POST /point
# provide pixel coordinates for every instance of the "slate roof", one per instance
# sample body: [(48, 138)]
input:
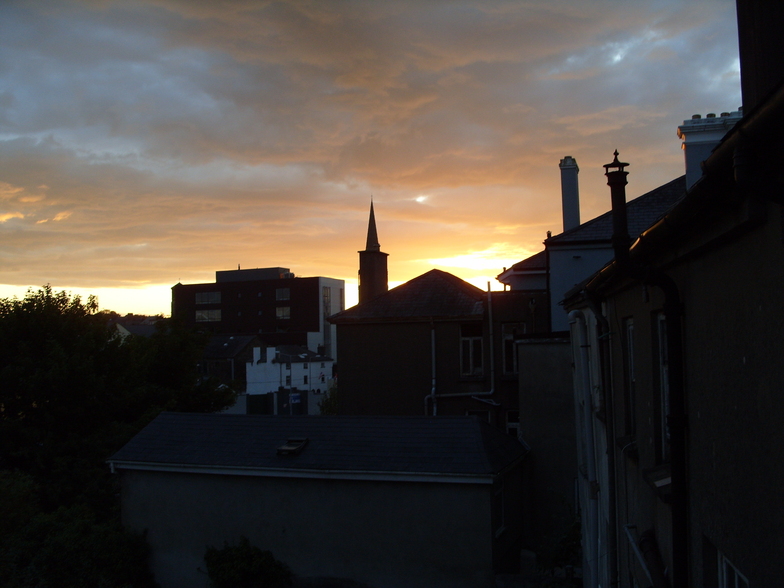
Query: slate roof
[(298, 354), (641, 213), (537, 261), (227, 346), (459, 445), (433, 294)]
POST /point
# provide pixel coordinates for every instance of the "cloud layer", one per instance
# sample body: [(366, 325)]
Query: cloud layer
[(150, 142)]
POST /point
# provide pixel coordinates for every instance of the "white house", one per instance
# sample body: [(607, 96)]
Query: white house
[(294, 370)]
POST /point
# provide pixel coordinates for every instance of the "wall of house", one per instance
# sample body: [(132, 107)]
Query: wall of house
[(570, 265), (547, 425), (381, 533), (730, 282), (385, 368), (733, 323)]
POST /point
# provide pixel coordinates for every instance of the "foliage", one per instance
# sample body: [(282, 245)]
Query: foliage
[(71, 548), (329, 404), (72, 392), (245, 566), (562, 551)]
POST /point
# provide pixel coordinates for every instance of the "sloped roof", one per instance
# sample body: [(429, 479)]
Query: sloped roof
[(641, 213), (433, 294), (298, 354), (358, 445), (537, 261), (227, 346)]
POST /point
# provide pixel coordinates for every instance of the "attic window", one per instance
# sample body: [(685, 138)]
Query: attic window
[(293, 446)]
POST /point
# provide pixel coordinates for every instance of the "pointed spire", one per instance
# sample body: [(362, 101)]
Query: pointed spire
[(372, 236)]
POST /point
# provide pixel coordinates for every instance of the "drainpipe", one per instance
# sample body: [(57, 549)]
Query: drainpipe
[(432, 394), (577, 318)]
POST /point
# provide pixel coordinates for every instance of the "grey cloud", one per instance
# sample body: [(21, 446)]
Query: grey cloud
[(162, 125)]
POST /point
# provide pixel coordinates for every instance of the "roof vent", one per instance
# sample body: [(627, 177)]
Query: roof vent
[(293, 446)]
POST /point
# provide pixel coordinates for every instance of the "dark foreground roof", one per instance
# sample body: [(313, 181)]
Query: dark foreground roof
[(351, 446), (433, 294)]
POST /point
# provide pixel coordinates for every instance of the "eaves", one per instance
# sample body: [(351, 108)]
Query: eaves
[(312, 474)]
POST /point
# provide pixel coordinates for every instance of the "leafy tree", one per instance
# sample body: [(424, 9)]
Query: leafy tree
[(70, 547), (72, 392), (245, 566)]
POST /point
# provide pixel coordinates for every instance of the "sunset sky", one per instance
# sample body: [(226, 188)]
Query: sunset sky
[(145, 143)]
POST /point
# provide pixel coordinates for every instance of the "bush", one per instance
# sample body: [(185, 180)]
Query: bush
[(245, 566)]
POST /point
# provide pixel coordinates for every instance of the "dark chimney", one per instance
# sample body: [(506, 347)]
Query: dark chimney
[(616, 179), (761, 45)]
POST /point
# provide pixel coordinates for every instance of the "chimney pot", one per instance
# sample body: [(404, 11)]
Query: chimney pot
[(711, 115), (696, 116)]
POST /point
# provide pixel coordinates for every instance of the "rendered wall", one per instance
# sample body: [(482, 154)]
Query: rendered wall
[(385, 534), (547, 425)]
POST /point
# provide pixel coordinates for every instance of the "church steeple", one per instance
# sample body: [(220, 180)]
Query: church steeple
[(372, 237), (373, 275)]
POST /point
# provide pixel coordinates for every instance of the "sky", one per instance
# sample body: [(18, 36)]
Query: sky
[(149, 142)]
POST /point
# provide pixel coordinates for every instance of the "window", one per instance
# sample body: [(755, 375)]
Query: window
[(208, 316), (283, 312), (662, 382), (305, 365), (729, 576), (513, 422), (208, 297), (627, 341), (283, 294), (471, 350), (304, 379), (509, 332), (288, 380), (498, 509), (482, 414)]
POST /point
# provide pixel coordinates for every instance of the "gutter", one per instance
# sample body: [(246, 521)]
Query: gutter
[(438, 477)]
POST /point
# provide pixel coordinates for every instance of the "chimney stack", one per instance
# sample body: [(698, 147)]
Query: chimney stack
[(616, 179), (700, 136), (570, 193)]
